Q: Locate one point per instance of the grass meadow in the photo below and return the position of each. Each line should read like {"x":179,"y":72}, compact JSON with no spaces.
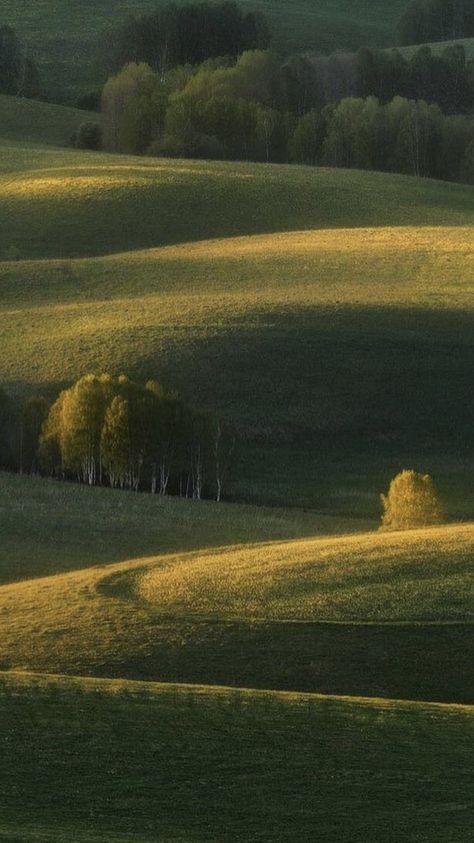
{"x":32,"y":121}
{"x":193,"y":672}
{"x":195,"y":764}
{"x":63,"y":38}
{"x":365,"y":614}
{"x":319,"y":312}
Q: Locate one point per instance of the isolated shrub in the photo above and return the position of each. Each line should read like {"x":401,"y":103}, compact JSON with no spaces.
{"x":412,"y":501}
{"x":88,"y":136}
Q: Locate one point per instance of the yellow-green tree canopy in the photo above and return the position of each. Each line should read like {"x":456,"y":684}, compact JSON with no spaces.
{"x":132,"y":436}
{"x":412,"y":501}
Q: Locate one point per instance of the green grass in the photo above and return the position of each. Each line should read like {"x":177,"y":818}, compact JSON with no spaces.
{"x":329,"y":316}
{"x":73,"y":204}
{"x":352,"y":296}
{"x":147,"y":762}
{"x":62,"y":36}
{"x":35,"y":122}
{"x":374,"y":615}
{"x":72,"y":527}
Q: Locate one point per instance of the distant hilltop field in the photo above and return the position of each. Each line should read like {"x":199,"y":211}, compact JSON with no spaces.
{"x":62,"y":35}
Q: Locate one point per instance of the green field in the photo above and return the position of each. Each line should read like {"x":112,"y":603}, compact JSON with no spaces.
{"x":366,"y":614}
{"x":349,"y":617}
{"x":148,"y":762}
{"x":62,"y":36}
{"x":193,"y":672}
{"x":353,"y":295}
{"x":31,"y":121}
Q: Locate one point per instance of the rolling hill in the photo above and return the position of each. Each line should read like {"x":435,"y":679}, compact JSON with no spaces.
{"x":229,"y":672}
{"x":348,"y":293}
{"x":35,"y":122}
{"x":195,"y":764}
{"x":347,"y":615}
{"x":62,"y":36}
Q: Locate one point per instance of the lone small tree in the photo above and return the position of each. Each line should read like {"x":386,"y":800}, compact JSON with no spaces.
{"x":412,"y":501}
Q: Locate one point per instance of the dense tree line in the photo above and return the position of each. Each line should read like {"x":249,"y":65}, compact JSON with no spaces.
{"x":262,"y":110}
{"x":18,"y":73}
{"x":113,"y":431}
{"x":403,"y":136}
{"x":425,"y":21}
{"x":445,"y":78}
{"x":179,"y":35}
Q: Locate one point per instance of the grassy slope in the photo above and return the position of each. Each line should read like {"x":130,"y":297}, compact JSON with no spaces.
{"x":63,"y":35}
{"x":344,"y":321}
{"x":72,"y":526}
{"x":147,"y":762}
{"x":70,"y":204}
{"x":226,"y":617}
{"x":440,"y":46}
{"x":33,"y":122}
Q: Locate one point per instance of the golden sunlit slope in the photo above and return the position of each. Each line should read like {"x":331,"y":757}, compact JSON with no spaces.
{"x":251,"y":616}
{"x":290,"y":336}
{"x":107,"y":761}
{"x":73,"y":527}
{"x":66,"y":203}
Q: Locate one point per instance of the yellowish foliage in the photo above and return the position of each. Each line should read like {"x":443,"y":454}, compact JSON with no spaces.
{"x":412,"y":501}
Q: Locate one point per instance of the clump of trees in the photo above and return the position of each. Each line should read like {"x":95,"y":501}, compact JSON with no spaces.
{"x":411,"y":501}
{"x":445,"y":78}
{"x":403,"y":136}
{"x":436,"y":20}
{"x":114,"y":431}
{"x":18,"y":73}
{"x":180,"y":35}
{"x":257,"y":110}
{"x":87,"y":136}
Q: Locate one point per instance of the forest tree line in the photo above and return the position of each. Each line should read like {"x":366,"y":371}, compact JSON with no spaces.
{"x":425,"y":21}
{"x":180,"y":35}
{"x":18,"y":73}
{"x":259,"y":108}
{"x":113,"y":431}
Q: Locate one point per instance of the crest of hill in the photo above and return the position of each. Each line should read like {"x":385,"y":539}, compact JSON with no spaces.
{"x":304,"y":615}
{"x":380,"y":282}
{"x":64,"y":203}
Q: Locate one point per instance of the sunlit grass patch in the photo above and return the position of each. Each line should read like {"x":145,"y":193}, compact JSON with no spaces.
{"x":411,"y":575}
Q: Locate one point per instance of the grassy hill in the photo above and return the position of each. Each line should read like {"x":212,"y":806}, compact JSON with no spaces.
{"x":375,"y":614}
{"x":147,"y":762}
{"x":324,"y":336}
{"x":62,"y":35}
{"x":71,"y":204}
{"x":35,"y":122}
{"x":73,"y":527}
{"x":329,"y":316}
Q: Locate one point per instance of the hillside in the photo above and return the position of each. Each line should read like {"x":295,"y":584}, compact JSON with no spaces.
{"x":350,"y":615}
{"x":73,"y":527}
{"x":356,"y":317}
{"x":440,"y":46}
{"x":70,"y":204}
{"x":62,"y":35}
{"x":273,"y":668}
{"x":30,"y":121}
{"x":148,"y":762}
